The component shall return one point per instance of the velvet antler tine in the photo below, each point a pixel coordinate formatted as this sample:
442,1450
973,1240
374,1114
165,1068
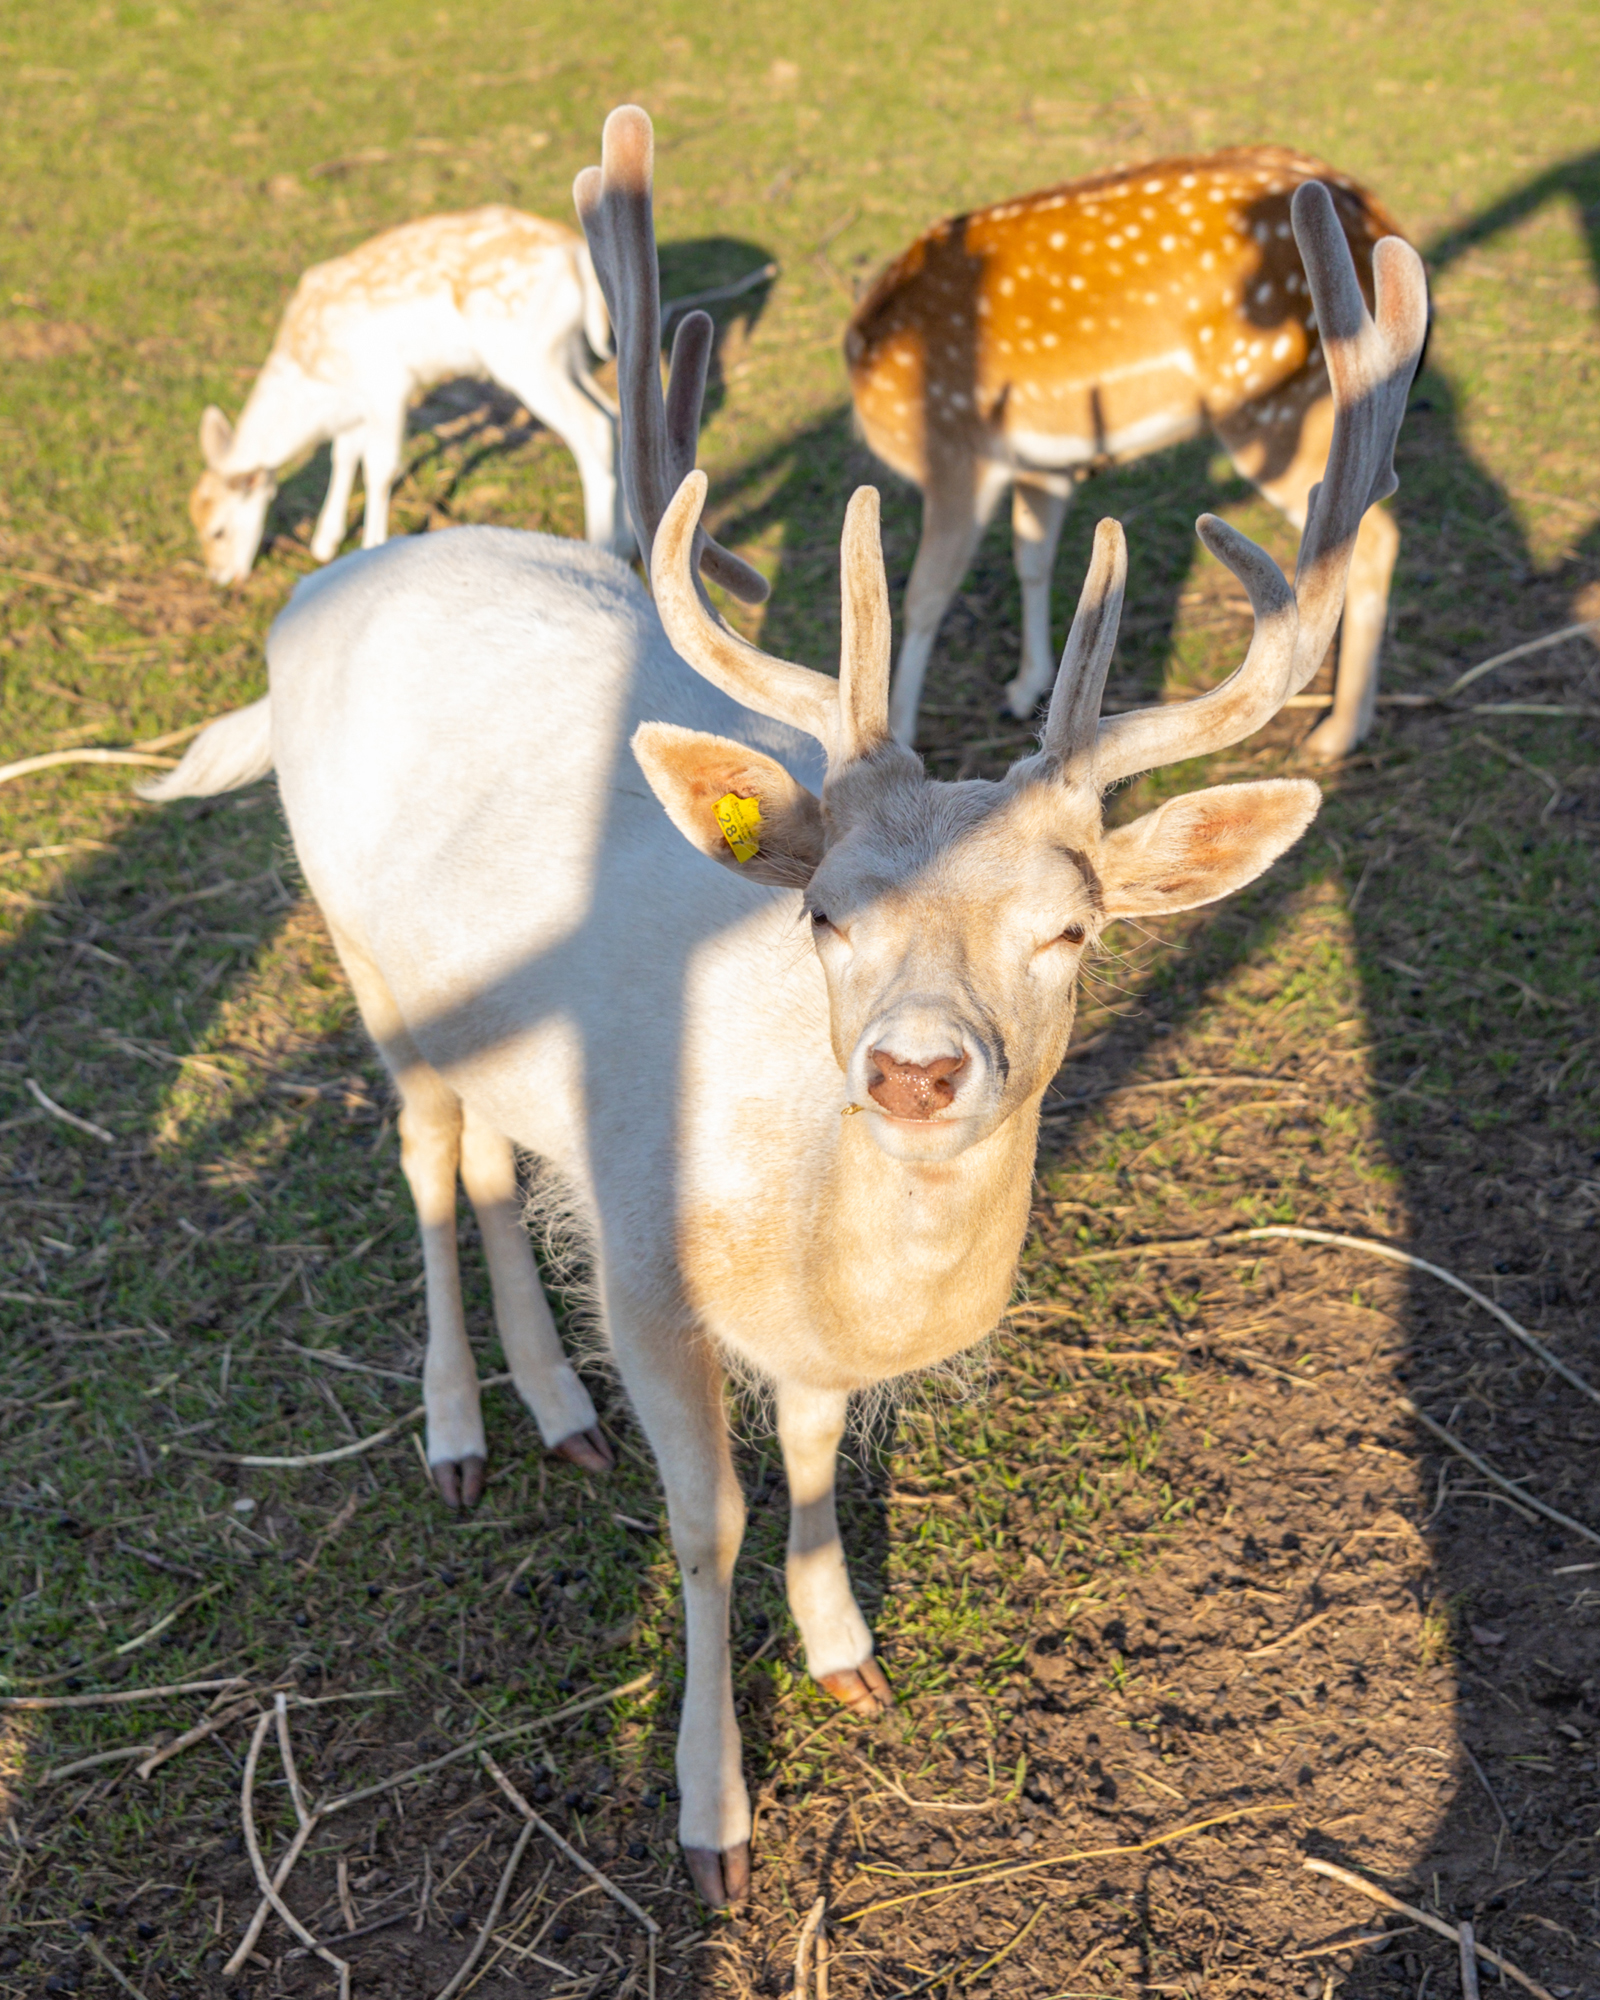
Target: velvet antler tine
864,635
778,688
659,433
1069,730
1370,362
686,389
691,358
1148,737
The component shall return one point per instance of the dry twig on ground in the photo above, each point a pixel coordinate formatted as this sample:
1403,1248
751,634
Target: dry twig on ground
456,1983
806,1946
560,1840
269,1887
1437,1924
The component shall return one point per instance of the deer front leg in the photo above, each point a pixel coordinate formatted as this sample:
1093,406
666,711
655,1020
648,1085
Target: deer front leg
544,1376
382,444
1036,517
957,500
837,1642
676,1388
346,450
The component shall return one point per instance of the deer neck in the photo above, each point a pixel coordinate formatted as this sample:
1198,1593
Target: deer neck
864,1267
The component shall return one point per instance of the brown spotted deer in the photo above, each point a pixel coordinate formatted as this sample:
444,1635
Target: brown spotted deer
1033,342
571,844
491,293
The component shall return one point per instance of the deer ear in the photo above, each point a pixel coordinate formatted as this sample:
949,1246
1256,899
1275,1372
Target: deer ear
709,787
216,438
1202,846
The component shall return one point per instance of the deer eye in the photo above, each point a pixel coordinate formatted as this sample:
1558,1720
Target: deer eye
1073,934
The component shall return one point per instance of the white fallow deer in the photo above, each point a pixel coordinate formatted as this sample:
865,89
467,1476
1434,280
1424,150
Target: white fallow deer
1030,343
572,844
492,294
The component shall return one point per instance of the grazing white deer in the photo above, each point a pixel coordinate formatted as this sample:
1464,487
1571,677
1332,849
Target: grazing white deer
491,293
569,844
1030,343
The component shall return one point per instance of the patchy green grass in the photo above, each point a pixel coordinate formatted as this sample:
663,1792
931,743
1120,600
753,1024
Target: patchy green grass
1175,1458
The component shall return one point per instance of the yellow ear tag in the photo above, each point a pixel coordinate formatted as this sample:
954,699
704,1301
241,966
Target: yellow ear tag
740,820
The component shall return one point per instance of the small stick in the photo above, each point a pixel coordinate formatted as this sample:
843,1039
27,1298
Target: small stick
559,1840
803,1947
1496,1478
1517,653
1469,1963
1306,1624
154,1631
119,1698
268,1887
717,293
1207,1081
1387,1251
58,1111
302,1811
471,1749
346,1907
264,1909
1008,1947
312,1458
1500,1811
1349,1943
164,1752
1363,1887
455,1984
89,1763
121,1978
25,766
981,1877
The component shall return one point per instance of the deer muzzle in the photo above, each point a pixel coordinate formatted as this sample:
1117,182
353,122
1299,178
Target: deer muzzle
914,1090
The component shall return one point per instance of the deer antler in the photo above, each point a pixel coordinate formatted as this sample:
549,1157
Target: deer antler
659,435
849,716
1371,360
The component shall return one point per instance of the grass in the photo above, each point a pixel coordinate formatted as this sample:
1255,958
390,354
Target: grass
1423,969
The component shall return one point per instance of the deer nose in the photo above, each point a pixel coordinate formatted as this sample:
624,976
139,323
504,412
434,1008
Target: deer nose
914,1090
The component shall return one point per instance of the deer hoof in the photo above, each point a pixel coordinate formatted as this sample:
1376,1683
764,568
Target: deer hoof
863,1690
459,1480
1327,744
590,1450
720,1878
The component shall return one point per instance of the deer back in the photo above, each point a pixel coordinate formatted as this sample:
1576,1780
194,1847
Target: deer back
1101,319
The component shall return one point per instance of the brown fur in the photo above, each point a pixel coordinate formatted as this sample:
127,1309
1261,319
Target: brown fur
1051,313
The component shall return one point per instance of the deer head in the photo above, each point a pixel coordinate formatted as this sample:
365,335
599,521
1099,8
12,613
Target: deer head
952,920
228,508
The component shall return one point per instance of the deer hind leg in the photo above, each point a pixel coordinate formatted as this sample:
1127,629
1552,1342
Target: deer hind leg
1286,477
957,500
1036,517
547,385
837,1642
544,1377
430,1144
346,448
676,1385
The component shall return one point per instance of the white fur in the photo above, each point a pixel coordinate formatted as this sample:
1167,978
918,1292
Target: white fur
350,377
